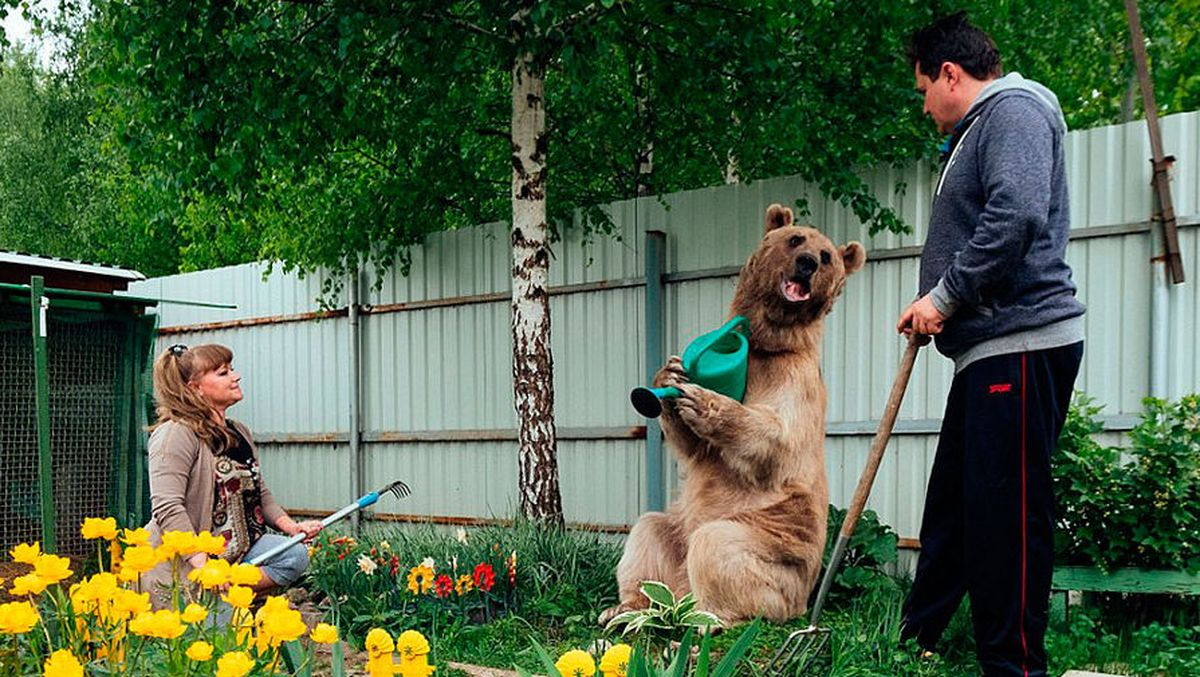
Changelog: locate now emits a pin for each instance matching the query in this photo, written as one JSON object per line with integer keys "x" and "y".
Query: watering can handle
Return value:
{"x": 734, "y": 324}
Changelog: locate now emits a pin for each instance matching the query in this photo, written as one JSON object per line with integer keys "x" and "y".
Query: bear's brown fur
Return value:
{"x": 748, "y": 528}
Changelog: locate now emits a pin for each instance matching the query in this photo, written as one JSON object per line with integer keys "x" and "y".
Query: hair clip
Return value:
{"x": 177, "y": 349}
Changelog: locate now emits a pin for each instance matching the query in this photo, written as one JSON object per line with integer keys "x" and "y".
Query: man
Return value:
{"x": 997, "y": 296}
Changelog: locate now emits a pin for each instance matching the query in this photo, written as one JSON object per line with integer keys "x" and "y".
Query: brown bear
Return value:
{"x": 747, "y": 530}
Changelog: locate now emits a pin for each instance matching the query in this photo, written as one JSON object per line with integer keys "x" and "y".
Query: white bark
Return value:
{"x": 533, "y": 365}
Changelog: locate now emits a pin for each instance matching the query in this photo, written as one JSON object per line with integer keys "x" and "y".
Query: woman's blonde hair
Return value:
{"x": 175, "y": 400}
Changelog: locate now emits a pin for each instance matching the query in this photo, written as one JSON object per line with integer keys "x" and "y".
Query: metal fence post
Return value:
{"x": 355, "y": 422}
{"x": 38, "y": 305}
{"x": 656, "y": 486}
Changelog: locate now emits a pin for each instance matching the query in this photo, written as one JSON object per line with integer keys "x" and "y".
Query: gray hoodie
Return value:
{"x": 993, "y": 260}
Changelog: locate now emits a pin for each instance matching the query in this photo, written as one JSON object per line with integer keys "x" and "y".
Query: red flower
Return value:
{"x": 485, "y": 577}
{"x": 443, "y": 586}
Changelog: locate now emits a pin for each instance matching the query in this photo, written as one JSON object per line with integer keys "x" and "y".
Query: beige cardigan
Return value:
{"x": 182, "y": 487}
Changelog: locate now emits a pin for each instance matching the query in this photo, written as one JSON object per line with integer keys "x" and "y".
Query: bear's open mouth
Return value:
{"x": 796, "y": 290}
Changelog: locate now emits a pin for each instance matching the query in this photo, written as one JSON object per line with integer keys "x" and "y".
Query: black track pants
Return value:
{"x": 989, "y": 509}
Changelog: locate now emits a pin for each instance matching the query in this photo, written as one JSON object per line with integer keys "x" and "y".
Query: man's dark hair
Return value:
{"x": 952, "y": 38}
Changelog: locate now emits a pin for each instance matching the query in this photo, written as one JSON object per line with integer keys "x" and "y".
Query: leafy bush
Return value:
{"x": 1089, "y": 642}
{"x": 1138, "y": 506}
{"x": 871, "y": 548}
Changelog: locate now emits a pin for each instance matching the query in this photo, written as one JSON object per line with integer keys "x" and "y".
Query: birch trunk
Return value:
{"x": 533, "y": 366}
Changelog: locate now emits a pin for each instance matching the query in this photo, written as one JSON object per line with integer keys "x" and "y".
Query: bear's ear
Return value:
{"x": 853, "y": 257}
{"x": 778, "y": 216}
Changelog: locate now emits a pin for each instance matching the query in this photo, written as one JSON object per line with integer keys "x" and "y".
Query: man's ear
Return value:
{"x": 778, "y": 216}
{"x": 853, "y": 257}
{"x": 952, "y": 72}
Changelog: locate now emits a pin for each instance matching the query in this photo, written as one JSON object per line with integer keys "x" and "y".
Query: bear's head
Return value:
{"x": 792, "y": 279}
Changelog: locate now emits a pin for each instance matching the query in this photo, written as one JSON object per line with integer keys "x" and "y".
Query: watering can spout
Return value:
{"x": 715, "y": 360}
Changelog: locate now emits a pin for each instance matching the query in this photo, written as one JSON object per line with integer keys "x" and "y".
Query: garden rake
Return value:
{"x": 398, "y": 489}
{"x": 803, "y": 650}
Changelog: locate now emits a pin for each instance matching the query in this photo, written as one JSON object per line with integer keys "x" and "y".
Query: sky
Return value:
{"x": 18, "y": 30}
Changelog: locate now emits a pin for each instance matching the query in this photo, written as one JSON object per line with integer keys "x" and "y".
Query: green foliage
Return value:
{"x": 646, "y": 661}
{"x": 871, "y": 548}
{"x": 1088, "y": 642}
{"x": 1137, "y": 506}
{"x": 186, "y": 135}
{"x": 66, "y": 189}
{"x": 558, "y": 576}
{"x": 665, "y": 618}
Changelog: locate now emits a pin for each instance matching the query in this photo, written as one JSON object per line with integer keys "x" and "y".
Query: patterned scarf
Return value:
{"x": 237, "y": 506}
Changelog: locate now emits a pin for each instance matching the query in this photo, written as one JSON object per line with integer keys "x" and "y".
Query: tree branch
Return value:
{"x": 463, "y": 23}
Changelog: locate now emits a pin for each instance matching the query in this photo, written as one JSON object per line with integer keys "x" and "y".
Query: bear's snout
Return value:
{"x": 806, "y": 265}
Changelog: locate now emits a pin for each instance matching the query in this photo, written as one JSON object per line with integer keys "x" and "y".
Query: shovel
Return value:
{"x": 398, "y": 489}
{"x": 801, "y": 652}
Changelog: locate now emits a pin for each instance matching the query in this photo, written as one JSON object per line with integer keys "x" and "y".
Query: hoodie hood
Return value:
{"x": 1016, "y": 81}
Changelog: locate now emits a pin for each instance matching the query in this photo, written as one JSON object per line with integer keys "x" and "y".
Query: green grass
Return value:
{"x": 565, "y": 579}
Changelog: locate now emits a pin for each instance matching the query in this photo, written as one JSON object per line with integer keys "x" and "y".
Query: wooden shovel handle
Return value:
{"x": 882, "y": 435}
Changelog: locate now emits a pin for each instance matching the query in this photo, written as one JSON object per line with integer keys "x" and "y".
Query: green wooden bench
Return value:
{"x": 1131, "y": 580}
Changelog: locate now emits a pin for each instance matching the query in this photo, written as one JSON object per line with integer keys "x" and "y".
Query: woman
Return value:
{"x": 204, "y": 472}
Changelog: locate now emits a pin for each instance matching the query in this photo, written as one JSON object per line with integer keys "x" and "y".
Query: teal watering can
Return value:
{"x": 715, "y": 360}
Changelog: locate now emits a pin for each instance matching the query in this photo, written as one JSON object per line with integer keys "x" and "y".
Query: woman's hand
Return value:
{"x": 309, "y": 528}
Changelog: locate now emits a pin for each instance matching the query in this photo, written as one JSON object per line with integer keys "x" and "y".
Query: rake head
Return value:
{"x": 398, "y": 489}
{"x": 804, "y": 652}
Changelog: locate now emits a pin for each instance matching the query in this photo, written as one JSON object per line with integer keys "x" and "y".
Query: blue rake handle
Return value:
{"x": 398, "y": 489}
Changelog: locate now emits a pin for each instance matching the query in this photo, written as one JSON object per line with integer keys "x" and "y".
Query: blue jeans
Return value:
{"x": 285, "y": 568}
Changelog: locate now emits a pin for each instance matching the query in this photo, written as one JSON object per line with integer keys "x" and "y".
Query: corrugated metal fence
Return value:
{"x": 435, "y": 389}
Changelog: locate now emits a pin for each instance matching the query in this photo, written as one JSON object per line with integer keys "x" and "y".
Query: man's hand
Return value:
{"x": 920, "y": 317}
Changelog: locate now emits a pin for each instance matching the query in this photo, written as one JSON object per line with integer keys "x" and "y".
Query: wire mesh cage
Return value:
{"x": 95, "y": 364}
{"x": 20, "y": 507}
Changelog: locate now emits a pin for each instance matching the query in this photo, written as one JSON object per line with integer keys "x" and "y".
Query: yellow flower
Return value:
{"x": 420, "y": 579}
{"x": 17, "y": 618}
{"x": 234, "y": 664}
{"x": 96, "y": 527}
{"x": 244, "y": 574}
{"x": 62, "y": 663}
{"x": 177, "y": 543}
{"x": 615, "y": 661}
{"x": 239, "y": 597}
{"x": 200, "y": 651}
{"x": 94, "y": 593}
{"x": 277, "y": 622}
{"x": 29, "y": 584}
{"x": 576, "y": 663}
{"x": 411, "y": 644}
{"x": 127, "y": 603}
{"x": 137, "y": 536}
{"x": 194, "y": 613}
{"x": 379, "y": 642}
{"x": 52, "y": 568}
{"x": 212, "y": 545}
{"x": 139, "y": 559}
{"x": 215, "y": 572}
{"x": 26, "y": 553}
{"x": 464, "y": 584}
{"x": 164, "y": 624}
{"x": 324, "y": 633}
